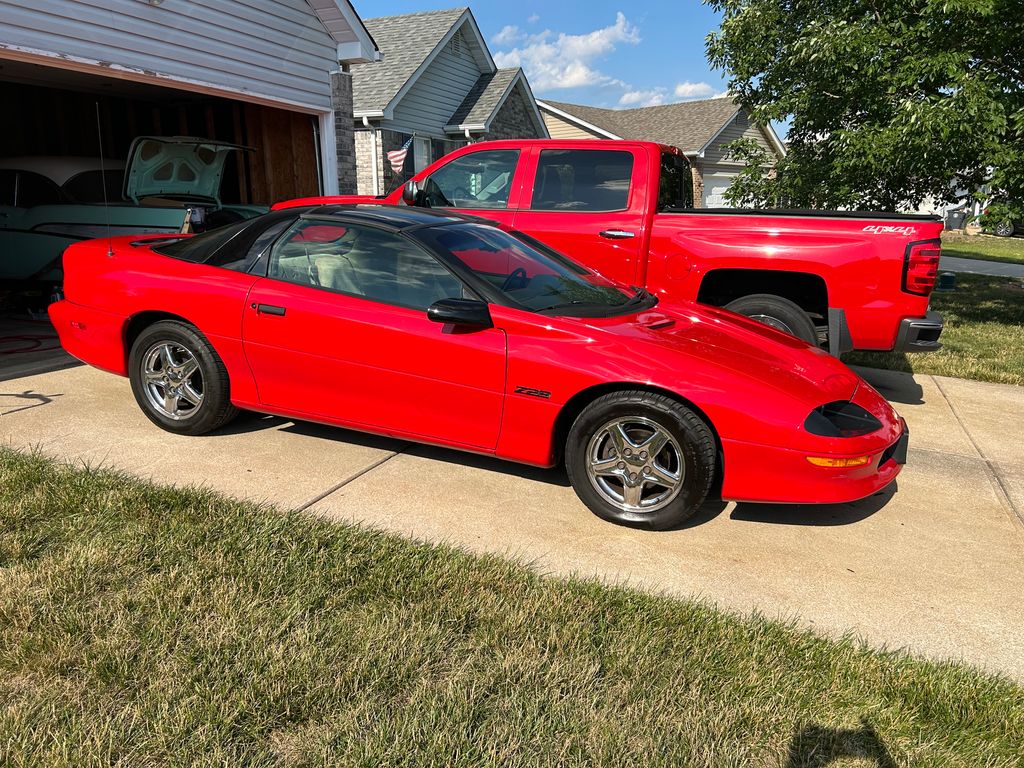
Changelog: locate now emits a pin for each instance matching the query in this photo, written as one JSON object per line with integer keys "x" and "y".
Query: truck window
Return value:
{"x": 676, "y": 187}
{"x": 582, "y": 180}
{"x": 478, "y": 180}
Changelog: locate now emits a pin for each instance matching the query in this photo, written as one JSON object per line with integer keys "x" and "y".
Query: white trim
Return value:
{"x": 486, "y": 125}
{"x": 489, "y": 66}
{"x": 773, "y": 137}
{"x": 543, "y": 105}
{"x": 356, "y": 47}
{"x": 329, "y": 153}
{"x": 121, "y": 72}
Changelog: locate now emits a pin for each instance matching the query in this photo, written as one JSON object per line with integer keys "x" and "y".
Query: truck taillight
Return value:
{"x": 921, "y": 267}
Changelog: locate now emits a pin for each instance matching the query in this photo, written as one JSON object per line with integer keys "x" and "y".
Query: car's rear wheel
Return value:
{"x": 1005, "y": 229}
{"x": 640, "y": 459}
{"x": 178, "y": 379}
{"x": 778, "y": 313}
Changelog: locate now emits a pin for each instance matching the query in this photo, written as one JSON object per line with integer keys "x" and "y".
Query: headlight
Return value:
{"x": 841, "y": 419}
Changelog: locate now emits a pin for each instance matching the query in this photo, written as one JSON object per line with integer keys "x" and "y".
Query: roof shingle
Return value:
{"x": 688, "y": 125}
{"x": 484, "y": 99}
{"x": 406, "y": 41}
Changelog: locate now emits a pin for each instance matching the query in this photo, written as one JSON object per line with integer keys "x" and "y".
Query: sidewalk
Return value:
{"x": 980, "y": 267}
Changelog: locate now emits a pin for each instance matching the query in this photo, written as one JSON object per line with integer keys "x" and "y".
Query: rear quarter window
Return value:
{"x": 582, "y": 180}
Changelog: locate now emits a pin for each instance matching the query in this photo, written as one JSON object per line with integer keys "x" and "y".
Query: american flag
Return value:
{"x": 397, "y": 156}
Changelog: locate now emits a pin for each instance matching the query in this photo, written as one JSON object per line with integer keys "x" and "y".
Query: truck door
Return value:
{"x": 487, "y": 183}
{"x": 588, "y": 203}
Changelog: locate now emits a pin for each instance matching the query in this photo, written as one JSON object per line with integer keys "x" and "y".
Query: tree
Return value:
{"x": 891, "y": 101}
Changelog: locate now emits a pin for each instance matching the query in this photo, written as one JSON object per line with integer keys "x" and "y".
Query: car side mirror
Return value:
{"x": 412, "y": 194}
{"x": 467, "y": 312}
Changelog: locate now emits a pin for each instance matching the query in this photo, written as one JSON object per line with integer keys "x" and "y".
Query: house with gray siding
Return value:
{"x": 272, "y": 74}
{"x": 702, "y": 129}
{"x": 437, "y": 85}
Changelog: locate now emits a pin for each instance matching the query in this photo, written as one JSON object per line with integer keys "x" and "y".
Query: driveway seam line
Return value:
{"x": 352, "y": 478}
{"x": 995, "y": 477}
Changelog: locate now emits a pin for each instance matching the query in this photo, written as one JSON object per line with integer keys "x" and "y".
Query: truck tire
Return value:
{"x": 776, "y": 312}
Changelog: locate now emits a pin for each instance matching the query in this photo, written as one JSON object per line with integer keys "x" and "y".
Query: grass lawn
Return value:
{"x": 983, "y": 338}
{"x": 987, "y": 247}
{"x": 142, "y": 625}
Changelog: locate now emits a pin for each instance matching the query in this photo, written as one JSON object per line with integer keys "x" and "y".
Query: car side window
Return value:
{"x": 481, "y": 180}
{"x": 362, "y": 261}
{"x": 24, "y": 189}
{"x": 582, "y": 180}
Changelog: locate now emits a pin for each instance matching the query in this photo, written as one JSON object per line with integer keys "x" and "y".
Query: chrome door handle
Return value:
{"x": 617, "y": 234}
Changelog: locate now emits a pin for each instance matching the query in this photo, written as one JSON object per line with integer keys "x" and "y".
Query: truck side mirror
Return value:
{"x": 412, "y": 194}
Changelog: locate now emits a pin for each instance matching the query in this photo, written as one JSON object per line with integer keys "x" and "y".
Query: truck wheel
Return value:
{"x": 640, "y": 459}
{"x": 777, "y": 312}
{"x": 178, "y": 379}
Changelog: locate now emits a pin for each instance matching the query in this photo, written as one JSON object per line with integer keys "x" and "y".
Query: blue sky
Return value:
{"x": 607, "y": 54}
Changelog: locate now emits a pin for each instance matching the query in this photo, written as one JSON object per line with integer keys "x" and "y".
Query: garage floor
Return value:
{"x": 936, "y": 566}
{"x": 29, "y": 345}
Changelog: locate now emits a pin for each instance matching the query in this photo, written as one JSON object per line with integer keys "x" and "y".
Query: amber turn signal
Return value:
{"x": 831, "y": 461}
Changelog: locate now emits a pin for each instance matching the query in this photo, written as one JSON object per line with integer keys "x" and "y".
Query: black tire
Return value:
{"x": 776, "y": 312}
{"x": 692, "y": 452}
{"x": 209, "y": 380}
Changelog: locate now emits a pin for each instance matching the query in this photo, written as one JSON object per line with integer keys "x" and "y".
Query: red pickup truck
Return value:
{"x": 843, "y": 280}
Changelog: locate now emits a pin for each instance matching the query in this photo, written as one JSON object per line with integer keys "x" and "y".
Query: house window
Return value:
{"x": 421, "y": 154}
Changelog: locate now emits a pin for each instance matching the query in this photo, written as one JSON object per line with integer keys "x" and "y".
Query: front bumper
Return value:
{"x": 920, "y": 334}
{"x": 773, "y": 475}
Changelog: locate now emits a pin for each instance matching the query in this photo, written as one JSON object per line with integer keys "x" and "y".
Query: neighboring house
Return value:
{"x": 702, "y": 129}
{"x": 438, "y": 85}
{"x": 270, "y": 74}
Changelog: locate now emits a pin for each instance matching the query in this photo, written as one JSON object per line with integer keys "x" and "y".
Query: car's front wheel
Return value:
{"x": 640, "y": 459}
{"x": 178, "y": 379}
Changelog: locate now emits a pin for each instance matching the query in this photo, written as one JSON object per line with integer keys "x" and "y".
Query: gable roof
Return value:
{"x": 486, "y": 98}
{"x": 410, "y": 43}
{"x": 689, "y": 125}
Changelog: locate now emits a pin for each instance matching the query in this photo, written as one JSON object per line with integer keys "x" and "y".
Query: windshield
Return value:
{"x": 531, "y": 276}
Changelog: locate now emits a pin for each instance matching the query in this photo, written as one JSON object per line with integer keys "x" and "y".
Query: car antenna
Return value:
{"x": 103, "y": 180}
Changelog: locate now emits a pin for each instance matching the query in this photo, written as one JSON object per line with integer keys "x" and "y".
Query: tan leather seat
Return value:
{"x": 337, "y": 273}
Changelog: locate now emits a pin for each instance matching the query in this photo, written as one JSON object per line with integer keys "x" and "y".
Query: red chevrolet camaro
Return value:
{"x": 445, "y": 330}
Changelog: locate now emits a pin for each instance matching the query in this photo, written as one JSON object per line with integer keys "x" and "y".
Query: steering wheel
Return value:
{"x": 518, "y": 275}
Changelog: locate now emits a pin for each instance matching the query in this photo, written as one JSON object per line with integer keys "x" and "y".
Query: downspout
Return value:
{"x": 373, "y": 152}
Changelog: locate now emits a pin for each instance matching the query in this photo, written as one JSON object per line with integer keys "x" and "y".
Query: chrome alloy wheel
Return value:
{"x": 635, "y": 464}
{"x": 172, "y": 380}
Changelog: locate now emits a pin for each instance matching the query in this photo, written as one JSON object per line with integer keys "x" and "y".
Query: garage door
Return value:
{"x": 715, "y": 185}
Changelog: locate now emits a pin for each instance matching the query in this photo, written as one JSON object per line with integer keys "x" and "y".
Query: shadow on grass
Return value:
{"x": 815, "y": 514}
{"x": 816, "y": 746}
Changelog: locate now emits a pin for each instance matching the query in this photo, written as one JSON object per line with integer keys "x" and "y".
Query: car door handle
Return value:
{"x": 268, "y": 309}
{"x": 617, "y": 234}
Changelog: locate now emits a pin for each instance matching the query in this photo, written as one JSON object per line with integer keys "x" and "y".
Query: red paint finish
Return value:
{"x": 861, "y": 261}
{"x": 387, "y": 369}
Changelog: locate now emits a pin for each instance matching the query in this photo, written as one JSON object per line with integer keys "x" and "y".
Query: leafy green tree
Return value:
{"x": 891, "y": 101}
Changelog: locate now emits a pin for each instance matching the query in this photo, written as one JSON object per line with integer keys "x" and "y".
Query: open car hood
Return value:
{"x": 177, "y": 166}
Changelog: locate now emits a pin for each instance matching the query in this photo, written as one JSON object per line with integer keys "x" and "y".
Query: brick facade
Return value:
{"x": 698, "y": 184}
{"x": 388, "y": 141}
{"x": 341, "y": 101}
{"x": 515, "y": 119}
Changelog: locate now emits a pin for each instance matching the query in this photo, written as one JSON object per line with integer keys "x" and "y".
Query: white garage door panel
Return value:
{"x": 715, "y": 185}
{"x": 275, "y": 49}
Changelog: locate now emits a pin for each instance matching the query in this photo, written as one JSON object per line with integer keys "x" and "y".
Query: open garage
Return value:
{"x": 258, "y": 84}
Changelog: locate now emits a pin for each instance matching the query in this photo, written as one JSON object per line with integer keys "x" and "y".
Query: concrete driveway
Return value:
{"x": 936, "y": 566}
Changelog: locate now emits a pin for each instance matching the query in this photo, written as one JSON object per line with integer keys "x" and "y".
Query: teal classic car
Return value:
{"x": 46, "y": 204}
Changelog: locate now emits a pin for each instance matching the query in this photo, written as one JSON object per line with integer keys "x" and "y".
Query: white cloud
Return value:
{"x": 534, "y": 19}
{"x": 566, "y": 61}
{"x": 688, "y": 90}
{"x": 651, "y": 97}
{"x": 507, "y": 36}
